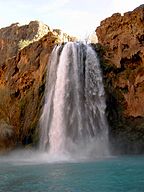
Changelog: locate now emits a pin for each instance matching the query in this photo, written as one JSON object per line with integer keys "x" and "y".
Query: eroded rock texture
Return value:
{"x": 22, "y": 81}
{"x": 12, "y": 36}
{"x": 121, "y": 40}
{"x": 24, "y": 53}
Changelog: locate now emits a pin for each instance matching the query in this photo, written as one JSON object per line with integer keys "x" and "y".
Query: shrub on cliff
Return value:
{"x": 24, "y": 43}
{"x": 6, "y": 107}
{"x": 9, "y": 113}
{"x": 6, "y": 130}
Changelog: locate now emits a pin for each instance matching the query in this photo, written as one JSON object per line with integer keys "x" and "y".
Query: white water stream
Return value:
{"x": 73, "y": 121}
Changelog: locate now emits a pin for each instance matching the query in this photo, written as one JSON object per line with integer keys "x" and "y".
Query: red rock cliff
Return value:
{"x": 12, "y": 36}
{"x": 22, "y": 80}
{"x": 24, "y": 52}
{"x": 122, "y": 40}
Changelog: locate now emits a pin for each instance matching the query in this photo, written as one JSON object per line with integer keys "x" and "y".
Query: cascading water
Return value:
{"x": 73, "y": 119}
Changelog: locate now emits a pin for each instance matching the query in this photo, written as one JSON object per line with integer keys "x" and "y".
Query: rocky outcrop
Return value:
{"x": 22, "y": 82}
{"x": 63, "y": 37}
{"x": 15, "y": 37}
{"x": 24, "y": 52}
{"x": 121, "y": 40}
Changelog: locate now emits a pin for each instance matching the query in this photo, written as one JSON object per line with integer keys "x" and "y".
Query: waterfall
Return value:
{"x": 73, "y": 119}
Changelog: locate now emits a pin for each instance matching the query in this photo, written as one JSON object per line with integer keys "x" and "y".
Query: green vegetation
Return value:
{"x": 24, "y": 43}
{"x": 6, "y": 130}
{"x": 6, "y": 109}
{"x": 8, "y": 112}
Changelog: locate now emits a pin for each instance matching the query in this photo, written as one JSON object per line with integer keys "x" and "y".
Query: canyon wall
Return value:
{"x": 22, "y": 81}
{"x": 24, "y": 52}
{"x": 121, "y": 45}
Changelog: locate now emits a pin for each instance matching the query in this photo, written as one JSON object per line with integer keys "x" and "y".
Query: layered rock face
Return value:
{"x": 24, "y": 52}
{"x": 121, "y": 39}
{"x": 63, "y": 37}
{"x": 16, "y": 37}
{"x": 12, "y": 37}
{"x": 22, "y": 81}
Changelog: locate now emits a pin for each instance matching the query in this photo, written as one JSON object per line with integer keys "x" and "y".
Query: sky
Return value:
{"x": 75, "y": 17}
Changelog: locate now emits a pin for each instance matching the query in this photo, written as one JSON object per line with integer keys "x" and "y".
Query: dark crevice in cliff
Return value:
{"x": 16, "y": 70}
{"x": 141, "y": 39}
{"x": 125, "y": 46}
{"x": 132, "y": 62}
{"x": 126, "y": 135}
{"x": 16, "y": 94}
